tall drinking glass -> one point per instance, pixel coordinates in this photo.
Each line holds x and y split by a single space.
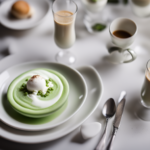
143 111
94 19
145 93
64 13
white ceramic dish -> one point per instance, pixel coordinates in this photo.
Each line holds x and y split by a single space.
41 9
93 100
77 97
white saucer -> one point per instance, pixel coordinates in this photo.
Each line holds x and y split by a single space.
77 97
41 9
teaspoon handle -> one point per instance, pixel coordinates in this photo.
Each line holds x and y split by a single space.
101 144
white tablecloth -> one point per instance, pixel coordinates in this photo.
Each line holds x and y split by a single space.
91 49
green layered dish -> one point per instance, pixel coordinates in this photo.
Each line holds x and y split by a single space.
38 103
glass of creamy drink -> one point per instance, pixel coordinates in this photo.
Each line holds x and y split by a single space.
141 8
145 93
143 109
64 13
94 15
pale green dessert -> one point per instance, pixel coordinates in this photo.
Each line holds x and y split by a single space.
38 92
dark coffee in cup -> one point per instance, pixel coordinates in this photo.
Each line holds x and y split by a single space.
122 34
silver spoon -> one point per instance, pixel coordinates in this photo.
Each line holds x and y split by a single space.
108 111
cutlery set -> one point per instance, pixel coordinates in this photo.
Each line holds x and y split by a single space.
90 130
109 109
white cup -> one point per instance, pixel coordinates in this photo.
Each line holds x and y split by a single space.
129 26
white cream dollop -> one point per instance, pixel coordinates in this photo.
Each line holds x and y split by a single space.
36 83
39 84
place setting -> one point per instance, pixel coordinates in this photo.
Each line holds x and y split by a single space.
69 84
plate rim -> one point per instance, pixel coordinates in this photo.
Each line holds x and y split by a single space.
79 123
62 122
31 26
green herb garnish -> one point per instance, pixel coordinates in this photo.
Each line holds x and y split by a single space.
94 1
98 27
23 85
23 89
26 93
46 81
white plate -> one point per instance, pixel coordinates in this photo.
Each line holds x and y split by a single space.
77 97
41 9
92 102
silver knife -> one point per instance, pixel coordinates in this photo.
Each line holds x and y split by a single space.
118 117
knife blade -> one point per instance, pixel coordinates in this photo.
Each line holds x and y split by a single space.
118 116
119 111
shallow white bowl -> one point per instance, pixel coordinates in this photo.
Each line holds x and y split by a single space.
77 97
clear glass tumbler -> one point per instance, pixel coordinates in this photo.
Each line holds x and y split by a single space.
141 8
145 93
64 13
94 16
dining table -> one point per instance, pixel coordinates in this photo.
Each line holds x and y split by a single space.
90 49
